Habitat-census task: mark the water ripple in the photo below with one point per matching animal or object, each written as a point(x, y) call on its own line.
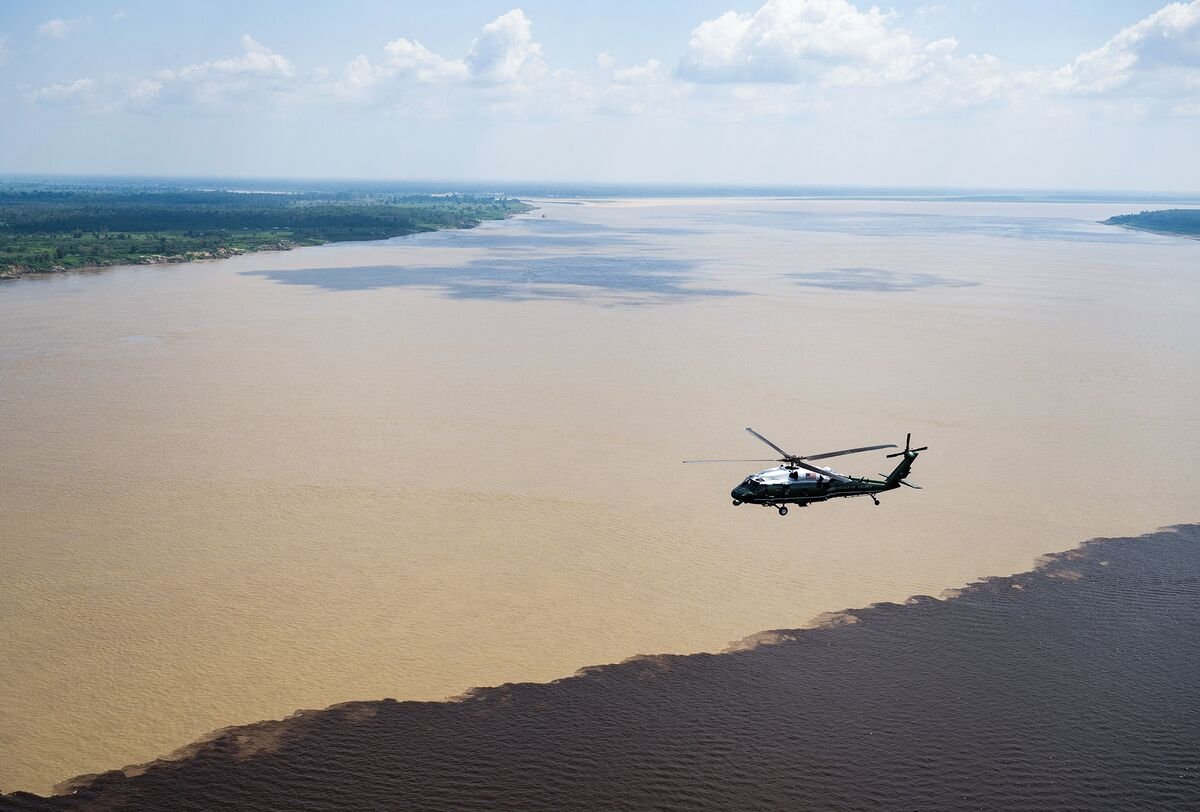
point(1072, 686)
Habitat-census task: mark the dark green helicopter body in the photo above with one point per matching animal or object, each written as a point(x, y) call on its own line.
point(798, 482)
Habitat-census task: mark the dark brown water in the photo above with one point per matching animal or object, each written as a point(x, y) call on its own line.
point(1071, 686)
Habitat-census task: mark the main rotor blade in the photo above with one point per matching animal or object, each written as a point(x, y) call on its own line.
point(786, 455)
point(730, 461)
point(847, 451)
point(820, 471)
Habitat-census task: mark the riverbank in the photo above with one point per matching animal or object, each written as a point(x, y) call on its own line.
point(17, 271)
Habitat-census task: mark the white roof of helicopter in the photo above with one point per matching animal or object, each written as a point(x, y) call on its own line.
point(782, 473)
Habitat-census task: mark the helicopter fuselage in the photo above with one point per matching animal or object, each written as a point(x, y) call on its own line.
point(788, 486)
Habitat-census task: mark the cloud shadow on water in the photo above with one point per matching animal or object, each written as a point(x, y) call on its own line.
point(633, 279)
point(875, 279)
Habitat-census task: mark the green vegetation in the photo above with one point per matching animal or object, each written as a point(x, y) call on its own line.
point(1185, 222)
point(46, 228)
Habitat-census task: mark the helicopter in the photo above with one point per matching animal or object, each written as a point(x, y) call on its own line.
point(798, 482)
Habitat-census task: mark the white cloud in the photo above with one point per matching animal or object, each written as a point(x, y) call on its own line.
point(789, 58)
point(645, 91)
point(411, 59)
point(833, 50)
point(1158, 55)
point(504, 50)
point(792, 41)
point(145, 91)
point(359, 74)
point(823, 45)
point(500, 58)
point(500, 64)
point(952, 84)
point(59, 28)
point(80, 90)
point(648, 73)
point(257, 60)
point(257, 73)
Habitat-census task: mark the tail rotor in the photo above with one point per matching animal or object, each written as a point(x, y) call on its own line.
point(908, 449)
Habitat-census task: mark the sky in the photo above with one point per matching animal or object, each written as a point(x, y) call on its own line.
point(1070, 94)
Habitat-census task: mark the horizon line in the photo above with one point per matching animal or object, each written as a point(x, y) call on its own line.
point(613, 185)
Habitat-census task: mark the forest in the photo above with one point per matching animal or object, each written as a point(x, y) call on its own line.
point(1185, 222)
point(47, 228)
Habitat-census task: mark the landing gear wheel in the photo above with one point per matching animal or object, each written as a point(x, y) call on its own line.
point(873, 499)
point(736, 503)
point(782, 511)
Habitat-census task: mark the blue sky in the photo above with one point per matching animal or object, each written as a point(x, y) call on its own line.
point(1090, 95)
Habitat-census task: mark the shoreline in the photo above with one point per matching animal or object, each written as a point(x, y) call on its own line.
point(1158, 231)
point(20, 271)
point(224, 252)
point(1089, 569)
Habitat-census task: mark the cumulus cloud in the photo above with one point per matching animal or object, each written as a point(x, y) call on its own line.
point(1153, 64)
point(500, 62)
point(411, 59)
point(1159, 54)
point(503, 56)
point(795, 40)
point(504, 50)
point(59, 28)
point(830, 47)
point(787, 58)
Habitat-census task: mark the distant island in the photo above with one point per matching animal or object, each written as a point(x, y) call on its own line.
point(1184, 222)
point(46, 228)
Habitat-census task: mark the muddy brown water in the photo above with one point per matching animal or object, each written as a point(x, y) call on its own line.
point(236, 489)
